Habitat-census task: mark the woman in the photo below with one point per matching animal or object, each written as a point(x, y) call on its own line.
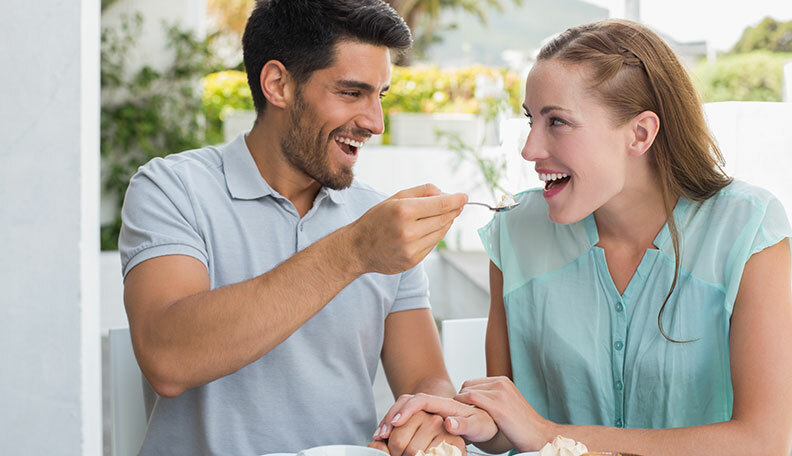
point(641, 300)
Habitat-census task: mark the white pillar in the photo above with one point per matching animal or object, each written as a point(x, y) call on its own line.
point(632, 10)
point(49, 172)
point(787, 84)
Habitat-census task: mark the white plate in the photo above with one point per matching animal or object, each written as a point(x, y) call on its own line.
point(335, 450)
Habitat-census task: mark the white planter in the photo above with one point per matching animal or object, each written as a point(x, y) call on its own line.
point(237, 121)
point(420, 129)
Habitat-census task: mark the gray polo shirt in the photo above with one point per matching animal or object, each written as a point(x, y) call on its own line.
point(313, 389)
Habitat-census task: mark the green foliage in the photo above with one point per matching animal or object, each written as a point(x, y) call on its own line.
point(753, 76)
point(223, 91)
point(769, 35)
point(150, 113)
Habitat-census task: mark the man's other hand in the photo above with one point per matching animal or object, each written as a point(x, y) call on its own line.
point(421, 432)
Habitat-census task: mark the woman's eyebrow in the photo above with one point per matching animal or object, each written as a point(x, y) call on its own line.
point(546, 109)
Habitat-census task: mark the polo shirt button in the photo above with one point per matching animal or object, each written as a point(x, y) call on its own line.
point(619, 385)
point(618, 345)
point(619, 423)
point(302, 227)
point(619, 307)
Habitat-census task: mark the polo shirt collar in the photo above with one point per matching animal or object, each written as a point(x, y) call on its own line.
point(243, 178)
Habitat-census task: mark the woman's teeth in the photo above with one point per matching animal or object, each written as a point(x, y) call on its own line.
point(551, 177)
point(350, 142)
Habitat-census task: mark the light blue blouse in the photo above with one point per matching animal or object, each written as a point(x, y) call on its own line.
point(583, 354)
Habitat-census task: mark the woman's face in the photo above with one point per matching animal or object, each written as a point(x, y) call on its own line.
point(579, 154)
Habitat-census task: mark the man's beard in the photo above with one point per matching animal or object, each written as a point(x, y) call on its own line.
point(310, 154)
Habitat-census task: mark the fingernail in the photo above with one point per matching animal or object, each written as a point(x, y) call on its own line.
point(453, 423)
point(377, 432)
point(396, 418)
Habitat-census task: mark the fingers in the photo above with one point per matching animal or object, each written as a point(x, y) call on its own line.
point(475, 428)
point(385, 426)
point(435, 205)
point(400, 438)
point(418, 192)
point(379, 445)
point(431, 427)
point(432, 404)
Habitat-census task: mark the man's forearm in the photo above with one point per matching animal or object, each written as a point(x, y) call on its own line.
point(209, 335)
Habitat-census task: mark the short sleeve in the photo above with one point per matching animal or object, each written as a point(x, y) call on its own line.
point(413, 290)
point(773, 228)
point(158, 218)
point(766, 226)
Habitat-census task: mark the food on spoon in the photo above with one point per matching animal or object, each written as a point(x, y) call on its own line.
point(444, 449)
point(506, 200)
point(563, 446)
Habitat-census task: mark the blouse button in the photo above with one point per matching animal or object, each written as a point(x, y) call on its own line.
point(619, 307)
point(619, 423)
point(618, 345)
point(619, 385)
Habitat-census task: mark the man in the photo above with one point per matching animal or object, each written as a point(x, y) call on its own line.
point(262, 283)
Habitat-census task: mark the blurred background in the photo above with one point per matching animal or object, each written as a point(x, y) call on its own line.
point(94, 89)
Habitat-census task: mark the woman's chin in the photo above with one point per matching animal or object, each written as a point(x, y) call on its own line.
point(564, 217)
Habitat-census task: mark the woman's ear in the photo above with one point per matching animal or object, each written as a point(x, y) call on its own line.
point(644, 128)
point(276, 84)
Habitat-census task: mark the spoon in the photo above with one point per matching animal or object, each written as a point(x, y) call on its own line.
point(495, 208)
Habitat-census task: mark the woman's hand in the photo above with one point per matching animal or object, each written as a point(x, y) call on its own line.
point(514, 416)
point(473, 424)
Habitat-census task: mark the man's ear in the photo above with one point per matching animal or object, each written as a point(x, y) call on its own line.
point(643, 129)
point(276, 84)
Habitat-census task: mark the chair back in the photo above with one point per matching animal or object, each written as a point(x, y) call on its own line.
point(463, 349)
point(129, 418)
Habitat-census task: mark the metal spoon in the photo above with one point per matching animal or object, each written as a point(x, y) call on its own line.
point(495, 208)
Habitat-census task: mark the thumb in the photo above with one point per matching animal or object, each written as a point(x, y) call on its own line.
point(418, 192)
point(469, 428)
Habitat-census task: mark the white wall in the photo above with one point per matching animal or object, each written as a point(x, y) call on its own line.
point(49, 167)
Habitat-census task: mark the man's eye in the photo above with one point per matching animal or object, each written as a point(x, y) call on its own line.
point(382, 95)
point(351, 94)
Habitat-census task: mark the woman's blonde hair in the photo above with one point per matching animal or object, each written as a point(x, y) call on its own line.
point(633, 70)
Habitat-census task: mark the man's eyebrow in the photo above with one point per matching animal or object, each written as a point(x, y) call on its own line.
point(360, 85)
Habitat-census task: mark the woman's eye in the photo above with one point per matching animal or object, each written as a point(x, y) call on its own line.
point(530, 120)
point(555, 121)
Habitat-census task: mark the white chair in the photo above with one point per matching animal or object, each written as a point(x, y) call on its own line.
point(127, 406)
point(463, 349)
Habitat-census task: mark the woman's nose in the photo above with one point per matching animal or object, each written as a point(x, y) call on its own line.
point(533, 149)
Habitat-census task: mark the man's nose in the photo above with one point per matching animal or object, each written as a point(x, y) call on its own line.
point(371, 119)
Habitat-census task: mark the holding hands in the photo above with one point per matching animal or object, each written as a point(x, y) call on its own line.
point(483, 408)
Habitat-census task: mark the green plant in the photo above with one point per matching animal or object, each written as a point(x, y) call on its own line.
point(769, 35)
point(223, 91)
point(753, 76)
point(150, 113)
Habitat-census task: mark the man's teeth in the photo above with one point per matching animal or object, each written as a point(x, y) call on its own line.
point(551, 177)
point(351, 142)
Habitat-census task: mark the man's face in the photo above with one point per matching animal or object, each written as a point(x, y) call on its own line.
point(335, 112)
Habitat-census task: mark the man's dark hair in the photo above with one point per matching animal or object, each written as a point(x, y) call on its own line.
point(302, 35)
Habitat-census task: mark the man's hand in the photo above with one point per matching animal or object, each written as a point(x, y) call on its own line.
point(398, 233)
point(421, 432)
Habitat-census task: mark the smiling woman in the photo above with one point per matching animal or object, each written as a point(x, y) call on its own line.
point(637, 297)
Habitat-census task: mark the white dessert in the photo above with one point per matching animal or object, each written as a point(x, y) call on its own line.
point(444, 449)
point(563, 446)
point(506, 200)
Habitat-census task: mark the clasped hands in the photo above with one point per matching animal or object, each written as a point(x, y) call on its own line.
point(485, 411)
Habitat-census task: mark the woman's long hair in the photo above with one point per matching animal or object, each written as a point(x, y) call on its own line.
point(633, 71)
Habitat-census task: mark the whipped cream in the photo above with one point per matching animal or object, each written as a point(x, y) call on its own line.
point(444, 449)
point(506, 200)
point(563, 446)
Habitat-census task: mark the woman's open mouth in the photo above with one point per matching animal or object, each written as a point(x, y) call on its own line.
point(554, 183)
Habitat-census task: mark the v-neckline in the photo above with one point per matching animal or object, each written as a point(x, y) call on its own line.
point(659, 241)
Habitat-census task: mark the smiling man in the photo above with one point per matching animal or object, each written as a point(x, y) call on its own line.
point(262, 282)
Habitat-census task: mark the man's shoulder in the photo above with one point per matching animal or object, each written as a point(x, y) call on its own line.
point(201, 160)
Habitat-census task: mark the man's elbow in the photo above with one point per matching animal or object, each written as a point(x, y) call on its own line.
point(163, 378)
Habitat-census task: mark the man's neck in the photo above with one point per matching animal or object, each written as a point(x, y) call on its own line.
point(264, 144)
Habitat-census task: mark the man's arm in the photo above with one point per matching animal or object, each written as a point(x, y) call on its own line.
point(413, 363)
point(186, 335)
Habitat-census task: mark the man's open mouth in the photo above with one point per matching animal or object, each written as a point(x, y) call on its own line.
point(349, 145)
